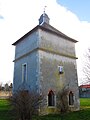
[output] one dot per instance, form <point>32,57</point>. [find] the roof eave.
<point>27,34</point>
<point>66,37</point>
<point>46,29</point>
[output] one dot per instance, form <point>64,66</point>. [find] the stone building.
<point>45,61</point>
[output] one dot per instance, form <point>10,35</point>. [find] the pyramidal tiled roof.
<point>48,28</point>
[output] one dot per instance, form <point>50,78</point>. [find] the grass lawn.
<point>85,103</point>
<point>83,114</point>
<point>4,110</point>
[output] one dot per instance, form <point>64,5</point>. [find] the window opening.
<point>24,72</point>
<point>51,98</point>
<point>71,98</point>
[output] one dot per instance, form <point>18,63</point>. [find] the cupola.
<point>44,19</point>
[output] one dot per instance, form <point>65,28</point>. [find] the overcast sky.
<point>17,17</point>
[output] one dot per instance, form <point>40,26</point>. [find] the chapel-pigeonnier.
<point>45,61</point>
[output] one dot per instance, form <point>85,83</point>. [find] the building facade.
<point>45,61</point>
<point>84,91</point>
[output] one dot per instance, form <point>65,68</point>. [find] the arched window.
<point>71,98</point>
<point>51,98</point>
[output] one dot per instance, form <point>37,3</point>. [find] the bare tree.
<point>0,86</point>
<point>63,100</point>
<point>11,85</point>
<point>6,87</point>
<point>26,104</point>
<point>86,68</point>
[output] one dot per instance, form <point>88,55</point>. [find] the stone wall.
<point>31,60</point>
<point>56,44</point>
<point>50,79</point>
<point>56,51</point>
<point>27,45</point>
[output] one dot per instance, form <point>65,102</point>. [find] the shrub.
<point>25,104</point>
<point>62,103</point>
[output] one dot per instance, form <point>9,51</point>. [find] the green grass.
<point>85,102</point>
<point>83,114</point>
<point>5,113</point>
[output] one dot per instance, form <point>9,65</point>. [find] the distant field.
<point>83,114</point>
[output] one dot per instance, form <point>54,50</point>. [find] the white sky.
<point>20,16</point>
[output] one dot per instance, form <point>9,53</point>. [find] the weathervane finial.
<point>44,8</point>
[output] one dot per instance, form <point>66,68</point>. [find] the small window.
<point>60,69</point>
<point>71,98</point>
<point>24,72</point>
<point>51,98</point>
